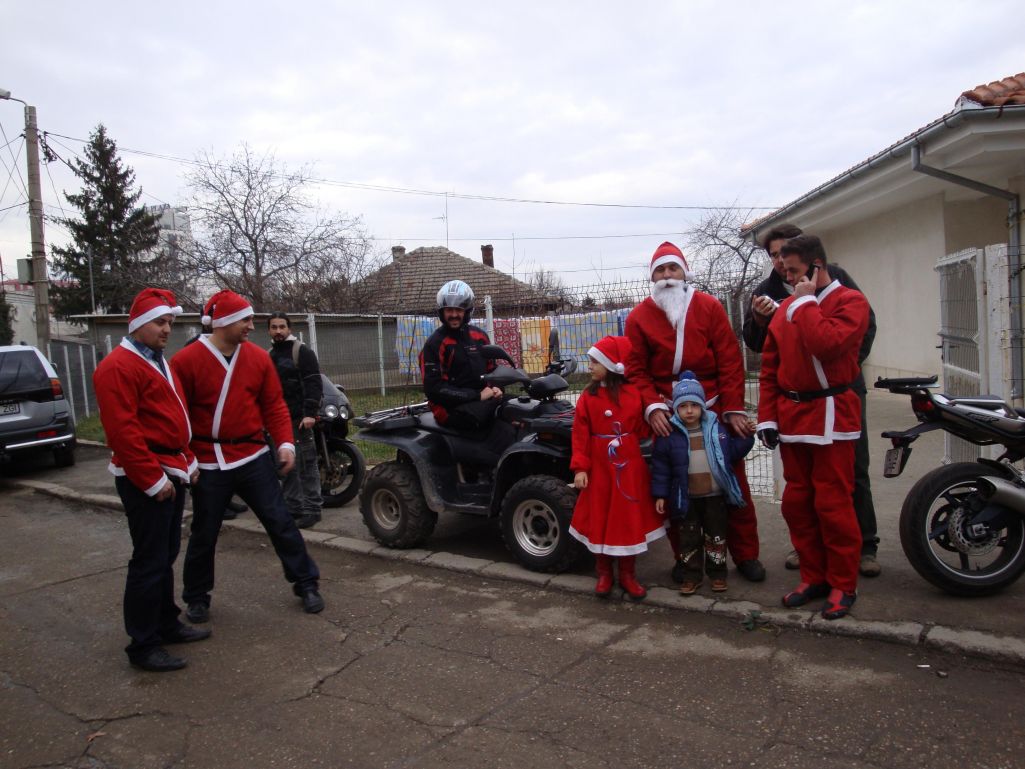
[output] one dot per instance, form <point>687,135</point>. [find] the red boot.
<point>628,581</point>
<point>603,564</point>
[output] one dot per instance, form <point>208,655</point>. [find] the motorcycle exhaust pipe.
<point>1002,493</point>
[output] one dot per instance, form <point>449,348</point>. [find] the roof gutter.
<point>899,150</point>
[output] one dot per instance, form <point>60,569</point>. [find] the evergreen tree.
<point>6,321</point>
<point>112,227</point>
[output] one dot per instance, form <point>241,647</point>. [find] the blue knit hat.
<point>688,390</point>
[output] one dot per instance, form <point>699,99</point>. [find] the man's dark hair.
<point>783,231</point>
<point>807,247</point>
<point>279,316</point>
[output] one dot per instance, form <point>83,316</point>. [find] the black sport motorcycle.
<point>342,465</point>
<point>962,525</point>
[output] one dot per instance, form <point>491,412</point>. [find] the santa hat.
<point>609,353</point>
<point>149,304</point>
<point>224,308</point>
<point>688,390</point>
<point>668,253</point>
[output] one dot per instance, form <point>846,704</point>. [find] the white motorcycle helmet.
<point>455,293</point>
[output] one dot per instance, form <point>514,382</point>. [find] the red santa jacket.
<point>144,419</point>
<point>812,344</point>
<point>231,401</point>
<point>704,343</point>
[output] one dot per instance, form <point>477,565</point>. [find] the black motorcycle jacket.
<point>451,367</point>
<point>300,377</point>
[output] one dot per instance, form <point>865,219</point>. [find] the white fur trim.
<point>668,259</point>
<point>604,360</point>
<point>640,547</point>
<point>227,320</point>
<point>652,408</point>
<point>797,303</point>
<point>205,320</point>
<point>152,314</point>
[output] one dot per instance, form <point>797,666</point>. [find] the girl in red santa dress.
<point>615,514</point>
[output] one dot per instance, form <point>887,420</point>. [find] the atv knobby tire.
<point>393,506</point>
<point>536,513</point>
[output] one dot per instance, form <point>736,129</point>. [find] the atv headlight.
<point>331,411</point>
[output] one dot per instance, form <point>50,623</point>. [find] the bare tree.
<point>727,266</point>
<point>258,233</point>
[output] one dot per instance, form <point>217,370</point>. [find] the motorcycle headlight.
<point>331,411</point>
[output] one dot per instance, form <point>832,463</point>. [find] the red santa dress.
<point>221,395</point>
<point>144,419</point>
<point>704,343</point>
<point>615,515</point>
<point>812,346</point>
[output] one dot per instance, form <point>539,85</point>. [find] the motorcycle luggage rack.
<point>398,418</point>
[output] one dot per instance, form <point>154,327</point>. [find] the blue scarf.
<point>722,473</point>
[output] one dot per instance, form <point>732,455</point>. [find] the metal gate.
<point>962,330</point>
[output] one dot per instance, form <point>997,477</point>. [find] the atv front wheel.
<point>393,507</point>
<point>536,513</point>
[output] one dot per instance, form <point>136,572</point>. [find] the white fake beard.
<point>671,297</point>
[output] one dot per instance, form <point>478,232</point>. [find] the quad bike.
<point>516,471</point>
<point>962,525</point>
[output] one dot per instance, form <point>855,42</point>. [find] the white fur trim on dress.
<point>604,360</point>
<point>619,550</point>
<point>152,314</point>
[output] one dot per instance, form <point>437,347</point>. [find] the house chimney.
<point>397,252</point>
<point>487,255</point>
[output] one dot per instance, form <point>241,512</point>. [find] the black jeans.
<point>156,530</point>
<point>257,483</point>
<point>864,509</point>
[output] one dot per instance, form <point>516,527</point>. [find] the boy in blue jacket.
<point>691,471</point>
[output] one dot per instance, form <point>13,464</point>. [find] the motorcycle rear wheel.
<point>931,535</point>
<point>343,474</point>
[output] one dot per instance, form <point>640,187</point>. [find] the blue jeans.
<point>156,531</point>
<point>302,485</point>
<point>256,482</point>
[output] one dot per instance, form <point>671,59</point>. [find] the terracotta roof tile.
<point>410,283</point>
<point>1010,90</point>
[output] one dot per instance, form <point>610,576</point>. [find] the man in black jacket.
<point>299,372</point>
<point>764,300</point>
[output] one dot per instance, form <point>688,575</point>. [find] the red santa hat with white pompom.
<point>224,308</point>
<point>611,352</point>
<point>667,253</point>
<point>150,304</point>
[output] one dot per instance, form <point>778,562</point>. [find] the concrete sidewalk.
<point>897,606</point>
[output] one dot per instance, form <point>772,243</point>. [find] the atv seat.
<point>428,422</point>
<point>479,449</point>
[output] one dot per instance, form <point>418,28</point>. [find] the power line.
<point>436,193</point>
<point>14,160</point>
<point>540,237</point>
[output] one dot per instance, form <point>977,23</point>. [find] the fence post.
<point>380,349</point>
<point>81,366</point>
<point>106,343</point>
<point>311,323</point>
<point>489,318</point>
<point>67,378</point>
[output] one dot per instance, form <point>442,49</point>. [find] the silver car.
<point>33,411</point>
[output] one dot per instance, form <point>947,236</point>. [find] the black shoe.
<point>186,634</point>
<point>197,613</point>
<point>157,660</point>
<point>752,570</point>
<point>803,593</point>
<point>307,520</point>
<point>312,602</point>
<point>678,573</point>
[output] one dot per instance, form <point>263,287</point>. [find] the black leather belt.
<point>811,395</point>
<point>156,448</point>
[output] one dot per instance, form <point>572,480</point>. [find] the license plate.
<point>10,408</point>
<point>893,462</point>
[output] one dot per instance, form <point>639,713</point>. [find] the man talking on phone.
<point>764,301</point>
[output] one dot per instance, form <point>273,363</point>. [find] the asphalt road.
<point>412,666</point>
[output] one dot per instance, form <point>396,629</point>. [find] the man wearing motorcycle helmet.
<point>452,367</point>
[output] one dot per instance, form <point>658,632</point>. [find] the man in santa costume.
<point>234,396</point>
<point>807,406</point>
<point>147,428</point>
<point>679,328</point>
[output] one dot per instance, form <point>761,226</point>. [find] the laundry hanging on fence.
<point>507,336</point>
<point>578,333</point>
<point>534,338</point>
<point>411,334</point>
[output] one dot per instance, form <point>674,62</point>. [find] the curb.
<point>972,643</point>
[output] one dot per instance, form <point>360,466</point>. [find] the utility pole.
<point>40,280</point>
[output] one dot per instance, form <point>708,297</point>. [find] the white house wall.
<point>891,256</point>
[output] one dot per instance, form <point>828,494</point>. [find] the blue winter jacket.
<point>670,460</point>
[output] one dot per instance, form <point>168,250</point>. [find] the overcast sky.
<point>657,104</point>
